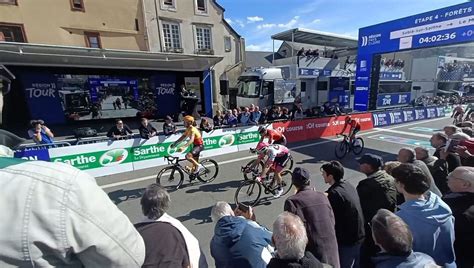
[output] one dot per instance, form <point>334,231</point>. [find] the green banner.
<point>119,156</point>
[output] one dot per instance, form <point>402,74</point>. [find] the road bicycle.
<point>172,177</point>
<point>258,168</point>
<point>346,146</point>
<point>249,191</point>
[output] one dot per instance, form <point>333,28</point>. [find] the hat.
<point>463,173</point>
<point>371,159</point>
<point>300,176</point>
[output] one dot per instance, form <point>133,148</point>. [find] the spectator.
<point>395,239</point>
<point>264,116</point>
<point>237,241</point>
<point>407,155</point>
<point>40,133</point>
<point>118,103</point>
<point>168,243</point>
<point>119,131</point>
<point>447,161</point>
<point>467,158</point>
<point>298,112</point>
<point>230,119</point>
<point>345,203</point>
<point>429,218</point>
<point>461,202</point>
<point>289,236</point>
<point>300,52</point>
<point>168,127</point>
<point>236,114</point>
<point>146,130</point>
<point>205,125</point>
<point>390,165</point>
<point>218,119</point>
<point>375,192</point>
<point>245,116</point>
<point>255,115</point>
<point>315,210</point>
<point>56,215</point>
<point>422,154</point>
<point>284,114</point>
<point>450,130</point>
<point>274,114</point>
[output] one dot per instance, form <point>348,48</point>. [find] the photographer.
<point>40,133</point>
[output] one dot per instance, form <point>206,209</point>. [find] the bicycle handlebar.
<point>171,159</point>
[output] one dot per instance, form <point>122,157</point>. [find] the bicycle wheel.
<point>257,170</point>
<point>248,193</point>
<point>286,181</point>
<point>289,164</point>
<point>211,171</point>
<point>170,178</point>
<point>341,149</point>
<point>358,146</point>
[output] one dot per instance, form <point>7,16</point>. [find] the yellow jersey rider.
<point>195,139</point>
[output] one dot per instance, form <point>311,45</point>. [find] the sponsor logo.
<point>165,89</point>
<point>173,150</point>
<point>370,40</point>
<point>226,140</point>
<point>113,157</point>
<point>362,78</point>
<point>387,100</point>
<point>363,64</point>
<point>362,88</point>
<point>42,90</point>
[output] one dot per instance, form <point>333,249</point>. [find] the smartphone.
<point>243,207</point>
<point>450,145</point>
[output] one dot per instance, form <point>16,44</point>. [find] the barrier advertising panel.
<point>319,127</point>
<point>382,119</point>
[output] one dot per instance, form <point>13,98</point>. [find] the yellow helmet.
<point>188,119</point>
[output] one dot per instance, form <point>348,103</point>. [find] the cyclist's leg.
<point>191,156</point>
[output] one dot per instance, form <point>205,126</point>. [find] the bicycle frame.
<point>174,161</point>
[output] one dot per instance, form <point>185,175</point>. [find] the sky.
<point>258,20</point>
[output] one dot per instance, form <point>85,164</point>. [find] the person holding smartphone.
<point>40,133</point>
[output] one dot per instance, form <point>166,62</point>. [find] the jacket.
<point>308,261</point>
<point>414,260</point>
<point>375,192</point>
<point>432,225</point>
<point>316,213</point>
<point>238,242</point>
<point>55,215</point>
<point>348,215</point>
<point>462,205</point>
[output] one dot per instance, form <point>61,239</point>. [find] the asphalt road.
<point>192,203</point>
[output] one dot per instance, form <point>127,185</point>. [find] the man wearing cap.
<point>447,161</point>
<point>375,192</point>
<point>461,202</point>
<point>316,212</point>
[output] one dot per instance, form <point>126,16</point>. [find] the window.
<point>201,6</point>
<point>203,38</point>
<point>227,44</point>
<point>12,33</point>
<point>93,40</point>
<point>168,4</point>
<point>9,2</point>
<point>77,5</point>
<point>171,36</point>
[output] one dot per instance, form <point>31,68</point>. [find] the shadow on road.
<point>120,196</point>
<point>216,187</point>
<point>203,215</point>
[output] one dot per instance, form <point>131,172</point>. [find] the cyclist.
<point>277,156</point>
<point>195,139</point>
<point>458,114</point>
<point>274,136</point>
<point>354,128</point>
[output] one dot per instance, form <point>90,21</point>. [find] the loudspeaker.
<point>224,85</point>
<point>416,88</point>
<point>374,82</point>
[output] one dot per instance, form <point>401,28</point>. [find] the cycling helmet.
<point>348,118</point>
<point>188,119</point>
<point>261,147</point>
<point>262,129</point>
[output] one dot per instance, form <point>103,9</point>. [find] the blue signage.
<point>166,94</point>
<point>393,99</point>
<point>445,26</point>
<point>391,76</point>
<point>33,154</point>
<point>396,117</point>
<point>382,119</point>
<point>409,115</point>
<point>308,72</point>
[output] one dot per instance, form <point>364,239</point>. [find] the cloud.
<point>240,23</point>
<point>229,20</point>
<point>254,19</point>
<point>316,21</point>
<point>289,24</point>
<point>261,47</point>
<point>266,26</point>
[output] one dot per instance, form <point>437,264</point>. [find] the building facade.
<point>86,59</point>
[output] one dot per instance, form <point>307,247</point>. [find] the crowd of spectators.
<point>452,99</point>
<point>417,211</point>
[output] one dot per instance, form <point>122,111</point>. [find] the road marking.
<point>115,184</point>
<point>424,129</point>
<point>405,133</point>
<point>400,140</point>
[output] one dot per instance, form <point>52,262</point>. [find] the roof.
<point>313,37</point>
<point>67,56</point>
<point>259,58</point>
<point>224,21</point>
<point>298,46</point>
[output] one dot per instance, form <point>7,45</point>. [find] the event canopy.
<point>312,37</point>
